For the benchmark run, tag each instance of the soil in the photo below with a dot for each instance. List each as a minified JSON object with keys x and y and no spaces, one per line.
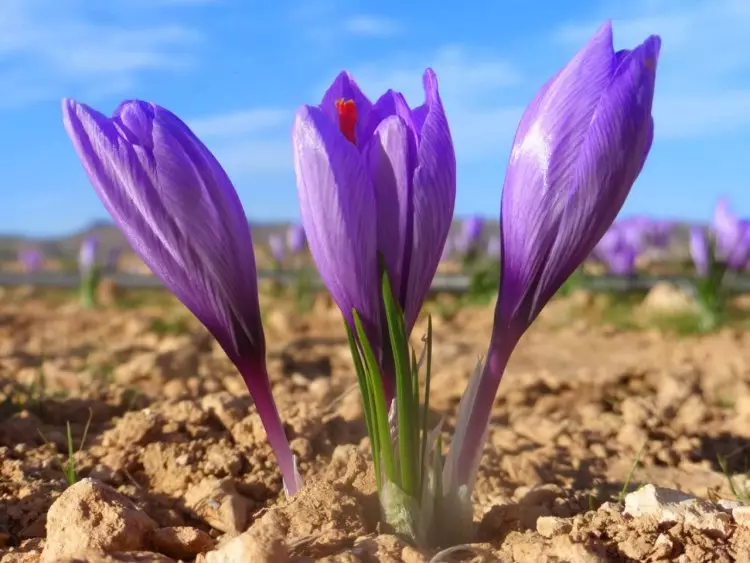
{"x":172,"y":464}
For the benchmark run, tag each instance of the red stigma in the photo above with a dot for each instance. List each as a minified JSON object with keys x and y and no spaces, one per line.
{"x":347,"y":118}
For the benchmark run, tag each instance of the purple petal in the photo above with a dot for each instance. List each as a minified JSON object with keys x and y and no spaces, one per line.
{"x":542,"y":167}
{"x":337,"y":203}
{"x":434,"y":199}
{"x":391,"y":157}
{"x":344,"y":87}
{"x":611,"y":158}
{"x":389,"y":104}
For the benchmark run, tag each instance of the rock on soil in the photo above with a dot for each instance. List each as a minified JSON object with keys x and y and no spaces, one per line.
{"x":90,"y":516}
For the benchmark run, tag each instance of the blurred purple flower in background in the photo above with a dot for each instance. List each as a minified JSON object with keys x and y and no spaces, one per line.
{"x":87,"y":253}
{"x":659,"y":233}
{"x":494,"y":247}
{"x":179,"y":212}
{"x":277,"y":246}
{"x":296,"y":239}
{"x":472,"y":227}
{"x":31,"y":259}
{"x":579,"y":147}
{"x":618,"y":249}
{"x":113,"y":257}
{"x":699,"y":249}
{"x":375,"y":181}
{"x":727,"y":229}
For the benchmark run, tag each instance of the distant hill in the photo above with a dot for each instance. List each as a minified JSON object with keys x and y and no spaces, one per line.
{"x":110,"y":237}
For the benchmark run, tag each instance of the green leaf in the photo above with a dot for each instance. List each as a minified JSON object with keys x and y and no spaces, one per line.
{"x":426,"y":404}
{"x":407,"y":411}
{"x":375,"y":385}
{"x":368,"y":404}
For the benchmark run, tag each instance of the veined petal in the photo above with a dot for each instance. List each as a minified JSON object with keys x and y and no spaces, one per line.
{"x":337,"y":204}
{"x":610,"y":160}
{"x":344,"y":87}
{"x":390,"y":103}
{"x":391,"y":157}
{"x":542,"y":164}
{"x":434,"y":199}
{"x":179,"y":212}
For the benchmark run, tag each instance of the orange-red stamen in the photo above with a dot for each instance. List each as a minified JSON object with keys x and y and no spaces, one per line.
{"x":347,"y":118}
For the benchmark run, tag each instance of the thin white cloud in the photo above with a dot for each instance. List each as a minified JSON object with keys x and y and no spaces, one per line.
{"x":248,"y":142}
{"x":241,"y":122}
{"x":686,"y":116}
{"x":705,"y":52}
{"x":369,"y":25}
{"x":54,"y":46}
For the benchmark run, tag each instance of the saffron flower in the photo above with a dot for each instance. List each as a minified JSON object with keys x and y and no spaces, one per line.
{"x":377,"y":187}
{"x":376,"y":182}
{"x":180,"y":213}
{"x":89,"y":270}
{"x":276,"y":245}
{"x":31,"y":259}
{"x":296,"y":239}
{"x":699,"y":250}
{"x":721,"y":248}
{"x":578,"y":149}
{"x":618,"y":250}
{"x":87,"y":253}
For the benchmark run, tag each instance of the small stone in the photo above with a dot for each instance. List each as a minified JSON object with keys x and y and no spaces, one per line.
{"x":729,"y":505}
{"x":92,"y":516}
{"x":663,"y":547}
{"x":550,"y":526}
{"x":182,"y":542}
{"x":741,"y":515}
{"x":219,"y":504}
{"x":668,"y":506}
{"x":263,"y":543}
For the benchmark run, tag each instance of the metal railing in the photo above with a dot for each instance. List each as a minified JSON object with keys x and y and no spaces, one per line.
{"x":443,"y":283}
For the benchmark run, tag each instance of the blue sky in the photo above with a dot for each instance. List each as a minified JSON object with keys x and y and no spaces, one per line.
{"x":236,"y":70}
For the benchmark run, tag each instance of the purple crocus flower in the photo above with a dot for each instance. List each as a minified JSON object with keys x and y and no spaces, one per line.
{"x":727,"y":228}
{"x":579,"y":148}
{"x":31,"y":259}
{"x":87,"y":253}
{"x":618,"y":249}
{"x":494,"y":247}
{"x":375,"y":181}
{"x":621,"y":261}
{"x":740,"y":254}
{"x":180,"y":213}
{"x":277,"y":246}
{"x":471,"y":229}
{"x":296,"y":239}
{"x":113,"y":256}
{"x":659,"y":233}
{"x":699,"y":250}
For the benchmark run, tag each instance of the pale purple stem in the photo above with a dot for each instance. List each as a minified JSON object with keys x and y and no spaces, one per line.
{"x":260,"y":389}
{"x":472,"y":445}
